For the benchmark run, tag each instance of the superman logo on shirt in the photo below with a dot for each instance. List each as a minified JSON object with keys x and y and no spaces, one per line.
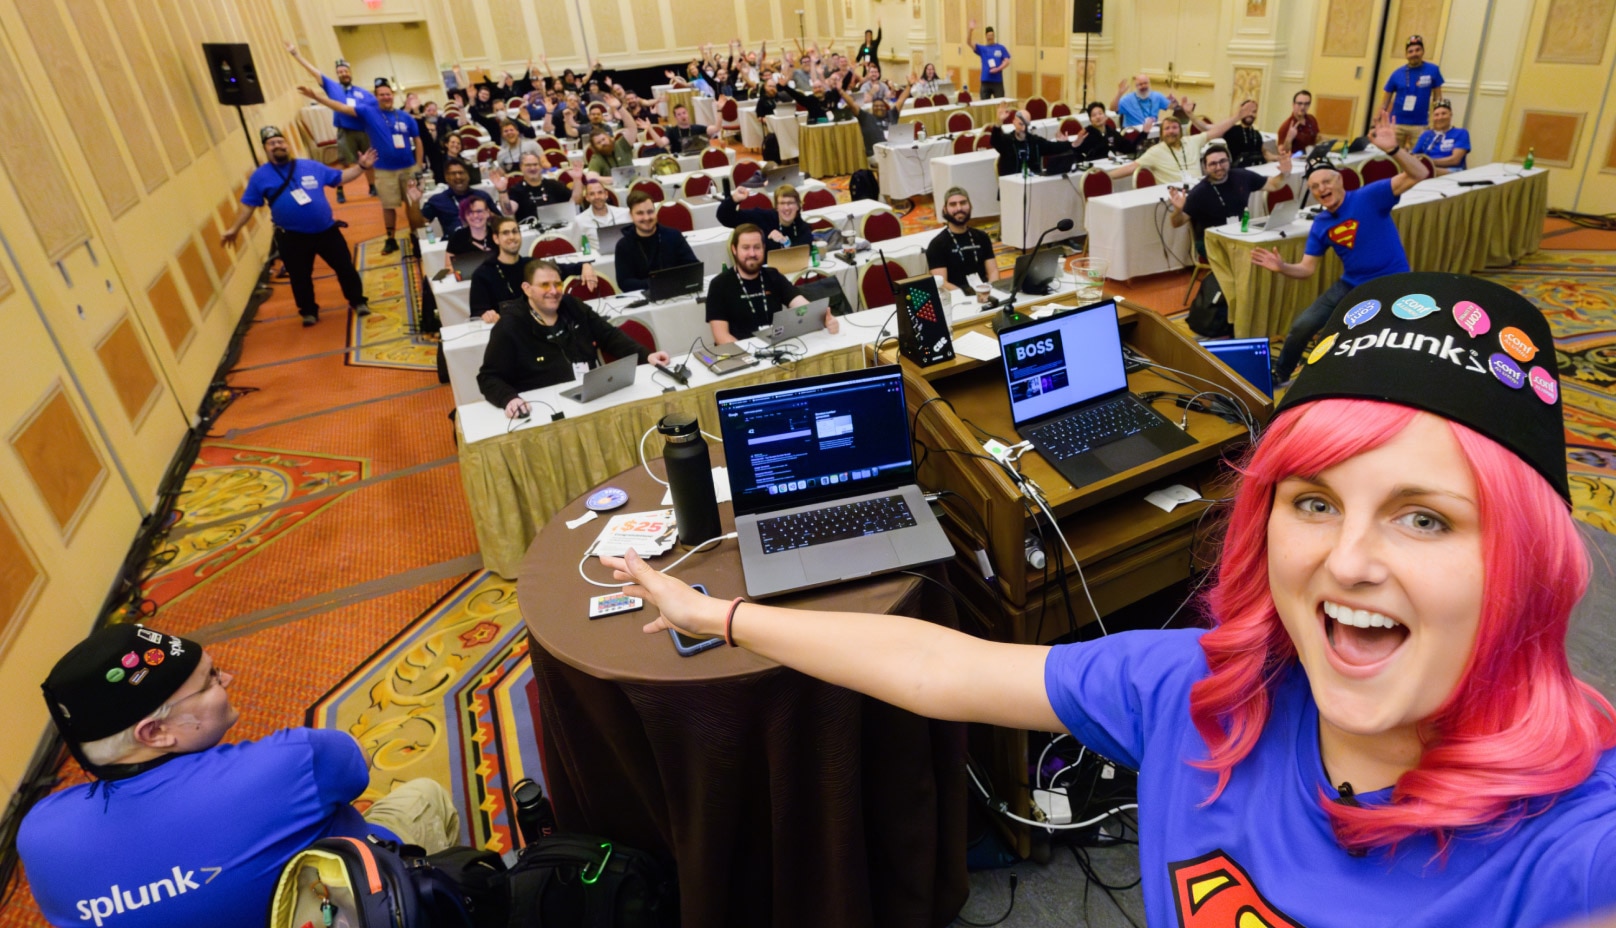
{"x":1212,"y":891}
{"x":1345,"y":234}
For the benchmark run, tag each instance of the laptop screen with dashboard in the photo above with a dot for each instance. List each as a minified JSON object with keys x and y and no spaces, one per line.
{"x":1054,"y":364}
{"x":793,"y":443}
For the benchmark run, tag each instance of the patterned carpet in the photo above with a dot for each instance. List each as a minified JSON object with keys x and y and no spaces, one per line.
{"x":323,"y":551}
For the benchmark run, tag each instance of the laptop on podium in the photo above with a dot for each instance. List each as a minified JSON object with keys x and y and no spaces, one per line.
{"x":823,"y":478}
{"x":1069,"y":396}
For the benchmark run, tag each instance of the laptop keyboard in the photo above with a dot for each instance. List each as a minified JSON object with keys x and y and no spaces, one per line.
{"x":833,"y":523}
{"x":1080,"y":432}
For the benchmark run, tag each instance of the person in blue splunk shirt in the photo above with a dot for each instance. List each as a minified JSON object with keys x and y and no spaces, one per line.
{"x":994,"y":57}
{"x":396,"y":137}
{"x":1378,"y":724}
{"x":178,"y":829}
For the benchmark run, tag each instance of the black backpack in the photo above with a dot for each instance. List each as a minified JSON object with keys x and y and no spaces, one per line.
{"x":771,"y":148}
{"x":579,"y":881}
{"x":863,"y":185}
{"x":371,"y":883}
{"x":1209,"y":314}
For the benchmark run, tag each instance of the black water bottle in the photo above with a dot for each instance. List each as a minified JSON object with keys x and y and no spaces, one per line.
{"x":690,"y":478}
{"x":534,"y":817}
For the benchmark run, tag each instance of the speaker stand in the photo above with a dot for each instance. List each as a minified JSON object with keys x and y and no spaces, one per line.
{"x":251,"y":148}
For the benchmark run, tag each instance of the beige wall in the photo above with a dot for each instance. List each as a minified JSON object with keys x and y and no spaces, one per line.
{"x":118,"y":301}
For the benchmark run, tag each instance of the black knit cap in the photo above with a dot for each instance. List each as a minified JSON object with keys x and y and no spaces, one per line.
{"x":116,"y":677}
{"x":1463,"y":348}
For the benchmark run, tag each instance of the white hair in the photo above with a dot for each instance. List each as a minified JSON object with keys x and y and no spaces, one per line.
{"x":113,"y":748}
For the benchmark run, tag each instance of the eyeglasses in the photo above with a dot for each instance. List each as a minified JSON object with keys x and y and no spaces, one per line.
{"x":1217,"y":163}
{"x":546,"y":285}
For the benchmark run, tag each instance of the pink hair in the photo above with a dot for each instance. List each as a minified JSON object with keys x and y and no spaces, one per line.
{"x":1518,"y":726}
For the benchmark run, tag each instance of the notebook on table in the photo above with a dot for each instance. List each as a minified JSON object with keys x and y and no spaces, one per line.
{"x":1069,"y":396}
{"x":822,"y":474}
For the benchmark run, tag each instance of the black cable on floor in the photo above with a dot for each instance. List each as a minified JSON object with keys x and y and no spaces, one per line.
{"x":1014,"y":880}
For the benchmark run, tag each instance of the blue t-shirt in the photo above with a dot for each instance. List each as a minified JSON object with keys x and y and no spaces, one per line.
{"x":199,"y":840}
{"x":1134,"y":111}
{"x":391,"y":133}
{"x":302,"y":206}
{"x":352,"y":95}
{"x":1415,"y":84}
{"x":1441,"y":144}
{"x":991,"y":55}
{"x":1267,"y":844}
{"x":1362,"y":233}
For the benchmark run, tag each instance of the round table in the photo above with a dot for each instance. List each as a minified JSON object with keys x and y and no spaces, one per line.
{"x":783,"y":800}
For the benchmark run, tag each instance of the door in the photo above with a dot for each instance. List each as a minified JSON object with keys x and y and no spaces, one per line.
{"x":1344,"y":53}
{"x":400,"y":52}
{"x":1182,"y":58}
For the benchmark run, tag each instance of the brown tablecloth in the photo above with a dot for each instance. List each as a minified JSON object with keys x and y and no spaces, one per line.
{"x":784,"y":801}
{"x":1484,"y":227}
{"x":515,"y":482}
{"x":831,"y":149}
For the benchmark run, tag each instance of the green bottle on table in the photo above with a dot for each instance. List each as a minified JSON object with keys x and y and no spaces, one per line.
{"x":583,"y":247}
{"x":1245,"y":220}
{"x":1530,"y":157}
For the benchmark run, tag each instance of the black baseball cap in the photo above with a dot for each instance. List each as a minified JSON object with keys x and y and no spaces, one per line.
{"x":116,"y":677}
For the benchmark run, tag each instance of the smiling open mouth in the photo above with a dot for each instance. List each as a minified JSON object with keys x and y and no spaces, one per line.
{"x":1361,"y":638}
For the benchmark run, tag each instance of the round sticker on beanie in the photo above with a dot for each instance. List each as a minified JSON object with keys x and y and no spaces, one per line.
{"x":1543,"y":384}
{"x":1322,"y":349}
{"x":1472,"y":318}
{"x":1506,"y":370}
{"x":1414,"y":306}
{"x":1517,"y":344}
{"x":115,"y":675}
{"x":131,"y":660}
{"x":1363,"y":312}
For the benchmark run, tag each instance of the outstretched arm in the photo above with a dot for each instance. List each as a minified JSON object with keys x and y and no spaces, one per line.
{"x":1216,"y":130}
{"x":318,"y":96}
{"x":1384,"y":137}
{"x":297,"y":56}
{"x":910,"y":663}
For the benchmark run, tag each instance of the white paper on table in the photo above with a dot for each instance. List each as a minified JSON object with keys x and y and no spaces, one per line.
{"x":720,"y":487}
{"x":1172,"y":497}
{"x":976,"y":345}
{"x":589,"y":516}
{"x":648,"y":533}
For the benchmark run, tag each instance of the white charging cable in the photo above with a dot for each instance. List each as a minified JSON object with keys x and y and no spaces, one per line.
{"x":667,"y":570}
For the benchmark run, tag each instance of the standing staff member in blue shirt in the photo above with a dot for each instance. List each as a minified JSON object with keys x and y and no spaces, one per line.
{"x":294,"y":188}
{"x":397,"y":139}
{"x":351,"y":137}
{"x":995,"y":58}
{"x":1408,"y":92}
{"x":1358,"y":225}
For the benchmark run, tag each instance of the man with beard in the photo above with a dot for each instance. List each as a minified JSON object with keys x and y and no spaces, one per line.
{"x":819,"y":104}
{"x":1245,"y":139}
{"x":1358,"y":226}
{"x":351,"y":137}
{"x":1307,"y":126}
{"x":1408,"y":91}
{"x":546,"y":344}
{"x":1223,"y":193}
{"x":606,"y":152}
{"x":783,"y":226}
{"x":682,"y":130}
{"x":600,"y":211}
{"x":745,"y":297}
{"x":523,"y":195}
{"x":513,"y":146}
{"x":649,"y":246}
{"x":445,"y":205}
{"x":1176,"y":159}
{"x":959,"y":250}
{"x":875,"y":119}
{"x":1141,"y":107}
{"x":294,"y":188}
{"x":399,"y":154}
{"x":1446,"y":145}
{"x":499,"y":281}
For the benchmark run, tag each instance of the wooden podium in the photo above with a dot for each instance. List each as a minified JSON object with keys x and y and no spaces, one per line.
{"x":1127,"y":548}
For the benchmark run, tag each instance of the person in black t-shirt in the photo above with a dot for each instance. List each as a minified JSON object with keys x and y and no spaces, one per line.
{"x":474,"y":233}
{"x":1223,"y":192}
{"x":523,"y":195}
{"x":745,"y":297}
{"x":1018,"y":147}
{"x":1100,"y":139}
{"x":682,"y":130}
{"x":819,"y":104}
{"x":959,"y":250}
{"x":1246,"y":142}
{"x":782,"y":226}
{"x":499,"y":280}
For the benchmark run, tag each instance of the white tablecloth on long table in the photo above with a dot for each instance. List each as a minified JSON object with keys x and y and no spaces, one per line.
{"x":905,"y":170}
{"x":977,"y":172}
{"x":318,"y":120}
{"x":1032,"y":204}
{"x":784,"y":127}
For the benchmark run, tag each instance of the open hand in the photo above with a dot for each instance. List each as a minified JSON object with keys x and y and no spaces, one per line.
{"x":681,"y":607}
{"x":1384,"y":135}
{"x":1177,"y":196}
{"x":367,"y":158}
{"x":1262,"y":257}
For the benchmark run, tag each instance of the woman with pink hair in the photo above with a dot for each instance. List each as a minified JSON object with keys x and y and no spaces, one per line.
{"x":1379,"y":724}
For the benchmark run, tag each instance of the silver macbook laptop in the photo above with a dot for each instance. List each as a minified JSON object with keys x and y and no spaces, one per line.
{"x":555,"y":215}
{"x":795,"y":322}
{"x":1283,"y":215}
{"x":1069,"y":396}
{"x":608,"y":378}
{"x":609,"y":236}
{"x":823,"y":478}
{"x":774,"y":177}
{"x":900,"y":133}
{"x":622,"y":177}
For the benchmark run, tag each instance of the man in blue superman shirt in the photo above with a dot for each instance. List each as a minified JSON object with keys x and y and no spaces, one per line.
{"x":1358,"y":225}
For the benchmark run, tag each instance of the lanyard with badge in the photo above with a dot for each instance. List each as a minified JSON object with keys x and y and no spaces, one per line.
{"x":562,"y":329}
{"x":755,"y":299}
{"x":299,"y":195}
{"x":972,"y":262}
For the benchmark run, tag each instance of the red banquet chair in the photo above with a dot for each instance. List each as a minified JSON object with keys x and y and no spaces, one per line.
{"x":919,"y":103}
{"x":1070,"y":127}
{"x":818,"y":199}
{"x":1350,"y":179}
{"x":549,"y":246}
{"x":715,"y":157}
{"x":676,"y":216}
{"x":652,"y":189}
{"x":985,"y":140}
{"x":1143,"y":178}
{"x":964,"y":96}
{"x":743,"y":172}
{"x":1276,"y":197}
{"x":575,"y":287}
{"x":880,"y":226}
{"x":1038,"y":108}
{"x":874,"y":283}
{"x":1096,"y":183}
{"x":757,"y":201}
{"x":964,"y":143}
{"x":698,"y":185}
{"x":1060,"y":111}
{"x":939,"y":99}
{"x":960,"y":122}
{"x":636,"y":330}
{"x":1378,"y":169}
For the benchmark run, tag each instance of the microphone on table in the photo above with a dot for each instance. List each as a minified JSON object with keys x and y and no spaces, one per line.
{"x":1009,"y":316}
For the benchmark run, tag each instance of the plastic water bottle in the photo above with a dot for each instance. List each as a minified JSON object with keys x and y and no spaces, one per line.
{"x":584,"y":246}
{"x":813,"y":253}
{"x":1245,"y":220}
{"x":1531,"y":154}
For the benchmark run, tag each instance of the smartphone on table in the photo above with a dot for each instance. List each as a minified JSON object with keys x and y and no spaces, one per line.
{"x":687,"y":645}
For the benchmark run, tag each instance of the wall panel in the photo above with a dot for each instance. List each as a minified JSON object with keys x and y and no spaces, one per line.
{"x":129,"y":370}
{"x":120,"y":92}
{"x":470,"y":31}
{"x":56,"y":451}
{"x":196,"y":276}
{"x":510,"y":30}
{"x":171,"y":315}
{"x":150,"y":81}
{"x":610,"y":38}
{"x":188,"y":50}
{"x":21,"y":578}
{"x":648,"y":24}
{"x":174,"y":78}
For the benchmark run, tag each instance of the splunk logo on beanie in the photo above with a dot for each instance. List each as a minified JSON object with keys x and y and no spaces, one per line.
{"x":1445,"y":348}
{"x":119,"y":901}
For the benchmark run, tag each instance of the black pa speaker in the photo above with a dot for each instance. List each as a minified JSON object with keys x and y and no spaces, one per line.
{"x":923,"y":334}
{"x":1088,"y":16}
{"x":235,"y":80}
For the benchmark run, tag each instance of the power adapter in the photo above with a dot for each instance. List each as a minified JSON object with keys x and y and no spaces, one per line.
{"x":557,"y":416}
{"x":1055,"y":804}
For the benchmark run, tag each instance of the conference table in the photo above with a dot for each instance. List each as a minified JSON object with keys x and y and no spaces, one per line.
{"x":1444,"y":226}
{"x":519,"y":473}
{"x":934,"y":119}
{"x":1034,"y":203}
{"x":977,"y":172}
{"x":831,"y":149}
{"x":905,"y":169}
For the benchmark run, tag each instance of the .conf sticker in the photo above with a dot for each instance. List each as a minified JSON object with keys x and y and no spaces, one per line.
{"x":1544,"y":385}
{"x":1414,"y":306}
{"x":1472,"y":318}
{"x":1322,"y":349}
{"x":1363,"y":312}
{"x":1507,"y":371}
{"x":1517,"y":344}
